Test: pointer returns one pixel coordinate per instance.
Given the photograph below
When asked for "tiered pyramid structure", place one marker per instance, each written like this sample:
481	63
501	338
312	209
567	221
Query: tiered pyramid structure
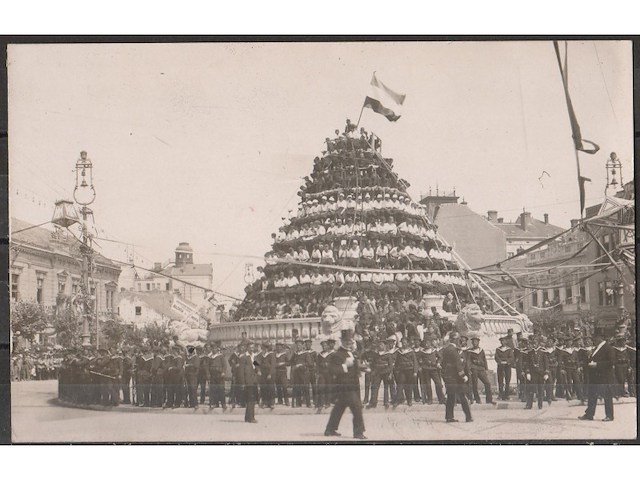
356	233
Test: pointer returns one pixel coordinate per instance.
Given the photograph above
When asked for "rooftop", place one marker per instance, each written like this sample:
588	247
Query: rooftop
525	227
192	269
54	241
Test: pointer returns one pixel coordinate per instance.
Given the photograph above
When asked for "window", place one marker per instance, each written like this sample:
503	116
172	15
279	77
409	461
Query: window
62	284
15	287
109	300
138	310
168	286
607	294
556	295
545	296
534	298
148	286
40	288
608	243
583	293
568	294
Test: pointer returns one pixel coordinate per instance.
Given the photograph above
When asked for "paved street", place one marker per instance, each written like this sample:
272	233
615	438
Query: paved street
37	418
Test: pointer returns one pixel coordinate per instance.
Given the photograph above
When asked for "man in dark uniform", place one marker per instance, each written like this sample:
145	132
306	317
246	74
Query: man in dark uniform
127	370
621	368
235	392
143	376
282	382
505	360
518	353
217	374
549	350
203	372
346	371
463	347
114	370
600	378
300	363
157	378
175	377
99	380
312	370
382	363
568	364
324	377
406	371
248	380
267	375
631	354
455	377
191	367
478	368
168	393
536	371
94	387
430	371
418	387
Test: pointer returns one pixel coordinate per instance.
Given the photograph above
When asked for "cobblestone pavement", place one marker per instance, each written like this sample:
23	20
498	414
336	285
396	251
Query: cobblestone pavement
38	417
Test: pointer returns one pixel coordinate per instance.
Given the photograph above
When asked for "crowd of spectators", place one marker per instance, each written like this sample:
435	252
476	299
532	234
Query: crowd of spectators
35	363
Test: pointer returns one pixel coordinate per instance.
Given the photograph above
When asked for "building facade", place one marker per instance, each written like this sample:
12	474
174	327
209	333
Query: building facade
45	267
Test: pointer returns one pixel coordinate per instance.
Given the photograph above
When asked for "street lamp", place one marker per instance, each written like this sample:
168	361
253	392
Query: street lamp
64	215
614	169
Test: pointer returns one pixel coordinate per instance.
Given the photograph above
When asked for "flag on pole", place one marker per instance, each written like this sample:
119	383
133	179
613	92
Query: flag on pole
383	100
578	141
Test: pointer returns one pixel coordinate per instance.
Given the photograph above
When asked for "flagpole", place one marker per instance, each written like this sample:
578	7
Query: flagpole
361	110
564	74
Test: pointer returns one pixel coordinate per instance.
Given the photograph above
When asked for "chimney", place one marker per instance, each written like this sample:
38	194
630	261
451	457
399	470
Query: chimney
574	222
492	216
525	219
501	220
157	266
546	218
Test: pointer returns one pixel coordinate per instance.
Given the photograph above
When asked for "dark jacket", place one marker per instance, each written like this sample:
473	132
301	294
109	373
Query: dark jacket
452	367
345	378
505	356
604	359
247	374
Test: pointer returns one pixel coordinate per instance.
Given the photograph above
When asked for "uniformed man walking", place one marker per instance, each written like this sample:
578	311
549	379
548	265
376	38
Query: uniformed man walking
455	378
346	371
248	380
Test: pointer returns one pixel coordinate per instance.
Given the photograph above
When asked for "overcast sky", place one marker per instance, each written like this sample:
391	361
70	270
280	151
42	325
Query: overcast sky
207	143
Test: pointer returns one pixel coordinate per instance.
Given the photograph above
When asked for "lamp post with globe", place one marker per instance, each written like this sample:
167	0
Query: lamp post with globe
64	216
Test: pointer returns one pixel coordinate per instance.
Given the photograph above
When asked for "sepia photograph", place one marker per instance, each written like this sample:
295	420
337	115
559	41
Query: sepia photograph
322	241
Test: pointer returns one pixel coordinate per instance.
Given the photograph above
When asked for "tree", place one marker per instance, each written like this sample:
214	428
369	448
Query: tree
156	335
28	319
67	325
112	332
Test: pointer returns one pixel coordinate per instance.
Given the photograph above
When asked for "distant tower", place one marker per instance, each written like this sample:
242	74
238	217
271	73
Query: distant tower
184	254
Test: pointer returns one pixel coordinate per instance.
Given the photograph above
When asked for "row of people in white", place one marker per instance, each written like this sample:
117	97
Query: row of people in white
324	253
360	202
340	278
339	227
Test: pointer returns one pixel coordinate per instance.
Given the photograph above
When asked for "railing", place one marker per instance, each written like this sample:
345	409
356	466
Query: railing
271	330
